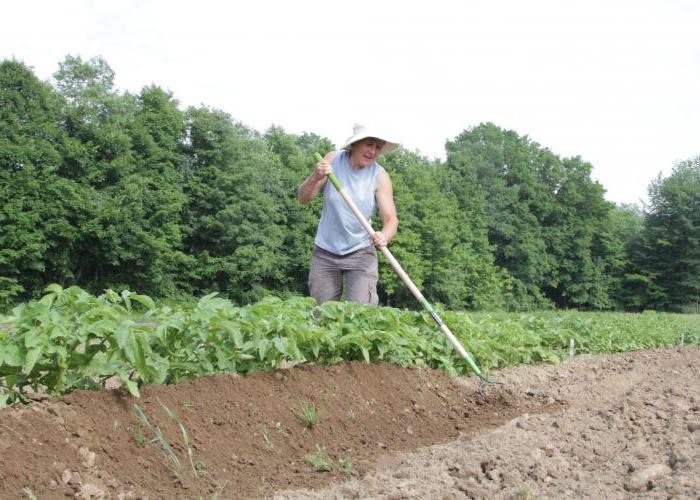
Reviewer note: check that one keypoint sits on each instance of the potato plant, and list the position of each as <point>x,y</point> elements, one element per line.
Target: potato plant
<point>70,339</point>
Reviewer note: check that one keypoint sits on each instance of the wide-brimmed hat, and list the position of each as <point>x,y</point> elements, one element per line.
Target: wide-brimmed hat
<point>360,132</point>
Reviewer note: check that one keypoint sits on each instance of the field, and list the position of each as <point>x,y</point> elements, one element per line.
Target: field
<point>597,427</point>
<point>336,426</point>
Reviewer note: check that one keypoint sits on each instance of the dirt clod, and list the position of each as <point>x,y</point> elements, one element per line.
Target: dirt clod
<point>644,478</point>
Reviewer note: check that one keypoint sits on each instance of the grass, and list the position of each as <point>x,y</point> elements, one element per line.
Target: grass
<point>345,466</point>
<point>269,445</point>
<point>308,414</point>
<point>320,462</point>
<point>139,437</point>
<point>219,490</point>
<point>173,462</point>
<point>30,494</point>
<point>524,493</point>
<point>185,437</point>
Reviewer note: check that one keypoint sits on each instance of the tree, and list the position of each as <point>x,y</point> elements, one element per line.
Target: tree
<point>669,253</point>
<point>104,189</point>
<point>40,210</point>
<point>543,216</point>
<point>233,218</point>
<point>295,160</point>
<point>95,117</point>
<point>619,238</point>
<point>575,225</point>
<point>443,247</point>
<point>125,151</point>
<point>497,166</point>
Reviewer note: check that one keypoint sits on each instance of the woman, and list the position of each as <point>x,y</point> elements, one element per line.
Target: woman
<point>343,257</point>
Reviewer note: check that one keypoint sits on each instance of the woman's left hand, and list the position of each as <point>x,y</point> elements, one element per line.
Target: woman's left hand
<point>378,239</point>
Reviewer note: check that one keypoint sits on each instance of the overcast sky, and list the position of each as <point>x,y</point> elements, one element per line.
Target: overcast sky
<point>615,82</point>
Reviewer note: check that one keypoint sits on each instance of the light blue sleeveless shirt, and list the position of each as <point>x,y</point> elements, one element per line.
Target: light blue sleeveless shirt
<point>339,231</point>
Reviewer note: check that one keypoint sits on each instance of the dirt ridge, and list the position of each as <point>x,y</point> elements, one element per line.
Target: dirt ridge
<point>246,435</point>
<point>630,428</point>
<point>610,426</point>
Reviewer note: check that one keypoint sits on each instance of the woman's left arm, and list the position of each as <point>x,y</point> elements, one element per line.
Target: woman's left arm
<point>387,211</point>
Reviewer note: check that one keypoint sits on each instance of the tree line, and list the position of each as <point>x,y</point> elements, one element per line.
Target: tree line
<point>110,190</point>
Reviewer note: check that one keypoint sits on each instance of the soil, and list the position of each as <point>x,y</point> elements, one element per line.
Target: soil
<point>611,426</point>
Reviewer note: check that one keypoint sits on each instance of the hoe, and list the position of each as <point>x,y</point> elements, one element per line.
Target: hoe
<point>409,283</point>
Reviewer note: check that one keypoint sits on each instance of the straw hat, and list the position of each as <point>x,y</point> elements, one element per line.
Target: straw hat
<point>360,132</point>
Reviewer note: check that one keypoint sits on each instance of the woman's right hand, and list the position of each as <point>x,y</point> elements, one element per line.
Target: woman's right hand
<point>323,168</point>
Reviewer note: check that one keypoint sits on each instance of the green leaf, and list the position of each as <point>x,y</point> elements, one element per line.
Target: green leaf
<point>206,299</point>
<point>31,359</point>
<point>11,355</point>
<point>54,288</point>
<point>144,300</point>
<point>282,345</point>
<point>112,296</point>
<point>34,337</point>
<point>238,339</point>
<point>132,387</point>
<point>122,335</point>
<point>263,347</point>
<point>365,353</point>
<point>139,346</point>
<point>125,297</point>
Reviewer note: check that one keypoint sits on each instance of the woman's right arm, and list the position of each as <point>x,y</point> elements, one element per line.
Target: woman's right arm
<point>313,184</point>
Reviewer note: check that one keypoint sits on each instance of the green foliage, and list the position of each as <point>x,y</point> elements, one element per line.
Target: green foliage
<point>345,465</point>
<point>495,172</point>
<point>70,339</point>
<point>307,413</point>
<point>233,220</point>
<point>667,255</point>
<point>299,222</point>
<point>543,214</point>
<point>38,210</point>
<point>443,248</point>
<point>319,461</point>
<point>619,238</point>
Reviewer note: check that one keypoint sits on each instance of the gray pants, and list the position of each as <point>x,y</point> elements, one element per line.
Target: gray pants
<point>358,270</point>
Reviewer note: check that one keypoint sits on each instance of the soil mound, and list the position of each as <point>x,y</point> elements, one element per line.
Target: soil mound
<point>593,427</point>
<point>233,437</point>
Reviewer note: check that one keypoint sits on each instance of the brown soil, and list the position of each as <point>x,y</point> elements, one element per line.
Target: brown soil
<point>629,427</point>
<point>596,427</point>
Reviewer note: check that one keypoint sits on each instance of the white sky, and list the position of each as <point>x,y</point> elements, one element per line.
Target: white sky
<point>615,82</point>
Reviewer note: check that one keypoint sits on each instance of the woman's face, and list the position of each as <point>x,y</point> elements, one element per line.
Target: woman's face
<point>364,152</point>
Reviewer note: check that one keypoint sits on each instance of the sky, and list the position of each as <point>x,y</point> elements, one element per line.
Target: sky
<point>614,82</point>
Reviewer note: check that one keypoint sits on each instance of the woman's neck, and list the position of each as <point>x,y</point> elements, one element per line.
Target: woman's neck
<point>354,164</point>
